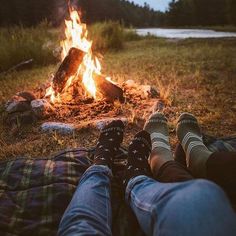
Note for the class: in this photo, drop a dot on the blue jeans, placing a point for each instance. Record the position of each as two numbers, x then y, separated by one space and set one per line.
196 207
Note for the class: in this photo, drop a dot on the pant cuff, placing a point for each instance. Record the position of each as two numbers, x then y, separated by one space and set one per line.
172 172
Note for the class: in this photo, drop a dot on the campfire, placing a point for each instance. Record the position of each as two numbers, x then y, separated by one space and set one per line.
79 75
79 93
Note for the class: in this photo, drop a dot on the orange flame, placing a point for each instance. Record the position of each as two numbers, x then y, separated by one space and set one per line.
76 35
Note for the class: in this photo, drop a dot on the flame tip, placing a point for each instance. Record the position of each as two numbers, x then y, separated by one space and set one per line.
76 35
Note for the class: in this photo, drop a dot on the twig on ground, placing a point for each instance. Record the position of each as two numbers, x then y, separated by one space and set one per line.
20 66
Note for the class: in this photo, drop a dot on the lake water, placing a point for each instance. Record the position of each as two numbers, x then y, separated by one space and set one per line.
184 33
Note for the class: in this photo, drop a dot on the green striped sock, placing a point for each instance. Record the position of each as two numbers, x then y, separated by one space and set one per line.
157 127
190 137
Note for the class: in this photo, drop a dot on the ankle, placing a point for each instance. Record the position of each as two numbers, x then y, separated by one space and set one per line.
138 154
158 159
109 143
103 157
197 162
190 137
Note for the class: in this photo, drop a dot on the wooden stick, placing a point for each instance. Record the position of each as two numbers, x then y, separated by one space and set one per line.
107 89
21 66
68 68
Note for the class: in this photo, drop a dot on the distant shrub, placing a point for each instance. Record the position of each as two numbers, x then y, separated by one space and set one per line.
41 43
107 35
18 44
131 35
111 35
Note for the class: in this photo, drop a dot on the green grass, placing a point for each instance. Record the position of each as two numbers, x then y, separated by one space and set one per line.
41 43
24 80
110 35
19 44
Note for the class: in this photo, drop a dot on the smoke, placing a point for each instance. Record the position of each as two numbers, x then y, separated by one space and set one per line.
61 10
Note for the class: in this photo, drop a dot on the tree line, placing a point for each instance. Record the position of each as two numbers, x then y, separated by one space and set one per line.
200 13
180 12
124 11
25 12
32 12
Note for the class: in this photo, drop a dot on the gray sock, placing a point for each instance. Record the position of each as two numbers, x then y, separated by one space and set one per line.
157 127
190 137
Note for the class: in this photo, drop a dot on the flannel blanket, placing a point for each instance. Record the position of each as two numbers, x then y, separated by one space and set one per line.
34 193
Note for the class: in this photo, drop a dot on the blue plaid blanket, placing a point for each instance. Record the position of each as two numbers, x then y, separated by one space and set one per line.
34 193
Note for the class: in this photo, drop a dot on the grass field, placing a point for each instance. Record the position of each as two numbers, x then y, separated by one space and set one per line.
197 76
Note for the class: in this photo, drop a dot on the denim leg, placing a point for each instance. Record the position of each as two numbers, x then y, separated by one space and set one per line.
89 212
195 207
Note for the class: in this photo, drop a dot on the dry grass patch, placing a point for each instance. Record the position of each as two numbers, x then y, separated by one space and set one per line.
197 76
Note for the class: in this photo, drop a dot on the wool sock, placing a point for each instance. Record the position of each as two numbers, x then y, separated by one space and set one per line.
190 137
157 127
109 143
138 154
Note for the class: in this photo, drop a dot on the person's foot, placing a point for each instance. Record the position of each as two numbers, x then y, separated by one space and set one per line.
157 127
190 137
109 143
138 154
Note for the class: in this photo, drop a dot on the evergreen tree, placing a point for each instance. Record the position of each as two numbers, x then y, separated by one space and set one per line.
231 12
180 13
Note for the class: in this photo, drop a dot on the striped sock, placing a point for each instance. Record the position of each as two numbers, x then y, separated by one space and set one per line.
190 137
157 127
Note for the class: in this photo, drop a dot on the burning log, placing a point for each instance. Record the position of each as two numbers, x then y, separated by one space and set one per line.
68 68
79 66
108 90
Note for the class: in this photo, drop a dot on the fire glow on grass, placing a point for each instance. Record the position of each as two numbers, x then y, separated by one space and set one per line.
76 35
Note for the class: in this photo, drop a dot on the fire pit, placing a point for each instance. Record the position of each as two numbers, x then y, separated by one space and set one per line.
79 94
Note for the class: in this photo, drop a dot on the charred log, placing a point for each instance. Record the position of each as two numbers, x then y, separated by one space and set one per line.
68 68
108 90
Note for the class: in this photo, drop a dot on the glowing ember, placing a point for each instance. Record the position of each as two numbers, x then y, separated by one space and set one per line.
76 36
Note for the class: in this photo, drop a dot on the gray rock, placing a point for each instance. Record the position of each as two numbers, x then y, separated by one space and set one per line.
154 92
41 107
17 104
61 128
150 91
27 95
130 83
100 124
